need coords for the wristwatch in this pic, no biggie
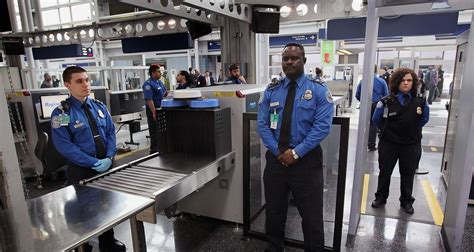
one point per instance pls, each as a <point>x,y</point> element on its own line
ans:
<point>295,155</point>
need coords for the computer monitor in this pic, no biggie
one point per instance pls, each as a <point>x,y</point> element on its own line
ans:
<point>50,102</point>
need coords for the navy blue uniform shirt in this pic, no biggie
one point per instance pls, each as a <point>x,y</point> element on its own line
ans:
<point>154,90</point>
<point>311,120</point>
<point>378,113</point>
<point>75,140</point>
<point>380,89</point>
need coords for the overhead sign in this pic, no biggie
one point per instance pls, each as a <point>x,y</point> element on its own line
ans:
<point>327,52</point>
<point>213,46</point>
<point>304,39</point>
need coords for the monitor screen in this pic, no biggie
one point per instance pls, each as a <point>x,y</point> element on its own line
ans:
<point>50,102</point>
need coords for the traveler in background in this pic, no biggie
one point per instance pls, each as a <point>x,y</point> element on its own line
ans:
<point>183,79</point>
<point>379,91</point>
<point>209,79</point>
<point>234,75</point>
<point>433,84</point>
<point>47,82</point>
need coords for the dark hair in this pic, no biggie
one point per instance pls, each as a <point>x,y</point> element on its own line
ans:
<point>153,68</point>
<point>233,67</point>
<point>69,71</point>
<point>319,71</point>
<point>186,75</point>
<point>45,74</point>
<point>190,69</point>
<point>397,77</point>
<point>297,45</point>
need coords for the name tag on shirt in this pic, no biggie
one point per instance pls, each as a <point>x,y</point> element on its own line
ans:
<point>273,104</point>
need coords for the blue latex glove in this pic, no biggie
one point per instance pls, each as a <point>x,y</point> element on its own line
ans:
<point>102,165</point>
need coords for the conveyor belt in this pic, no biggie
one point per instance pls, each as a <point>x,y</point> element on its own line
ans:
<point>166,179</point>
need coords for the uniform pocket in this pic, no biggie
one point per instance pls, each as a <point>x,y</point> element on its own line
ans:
<point>306,110</point>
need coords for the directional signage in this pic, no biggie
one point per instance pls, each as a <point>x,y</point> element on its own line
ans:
<point>213,46</point>
<point>304,39</point>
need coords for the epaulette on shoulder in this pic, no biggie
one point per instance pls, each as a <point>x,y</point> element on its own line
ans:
<point>316,80</point>
<point>275,83</point>
<point>97,101</point>
<point>387,98</point>
<point>65,104</point>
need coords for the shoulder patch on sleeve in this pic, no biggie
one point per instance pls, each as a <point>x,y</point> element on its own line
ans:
<point>147,87</point>
<point>55,122</point>
<point>380,104</point>
<point>97,101</point>
<point>275,83</point>
<point>329,97</point>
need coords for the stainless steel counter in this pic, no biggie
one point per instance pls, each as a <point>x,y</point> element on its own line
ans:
<point>166,179</point>
<point>64,219</point>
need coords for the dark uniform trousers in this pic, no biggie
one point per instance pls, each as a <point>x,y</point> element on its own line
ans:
<point>77,173</point>
<point>408,157</point>
<point>153,130</point>
<point>373,128</point>
<point>305,181</point>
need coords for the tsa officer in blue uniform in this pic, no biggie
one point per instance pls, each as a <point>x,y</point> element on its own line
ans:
<point>294,116</point>
<point>83,132</point>
<point>400,117</point>
<point>153,90</point>
<point>379,91</point>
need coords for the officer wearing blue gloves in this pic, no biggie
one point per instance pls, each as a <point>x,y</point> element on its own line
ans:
<point>294,115</point>
<point>83,132</point>
<point>400,117</point>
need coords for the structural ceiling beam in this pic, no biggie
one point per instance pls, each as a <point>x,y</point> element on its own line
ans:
<point>133,27</point>
<point>227,8</point>
<point>174,9</point>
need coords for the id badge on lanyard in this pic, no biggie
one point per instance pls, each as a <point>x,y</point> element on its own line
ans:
<point>274,120</point>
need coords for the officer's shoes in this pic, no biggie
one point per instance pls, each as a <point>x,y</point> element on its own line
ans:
<point>407,208</point>
<point>378,203</point>
<point>112,246</point>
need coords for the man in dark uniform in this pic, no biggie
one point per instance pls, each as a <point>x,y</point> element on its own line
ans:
<point>400,118</point>
<point>153,90</point>
<point>83,132</point>
<point>294,116</point>
<point>235,77</point>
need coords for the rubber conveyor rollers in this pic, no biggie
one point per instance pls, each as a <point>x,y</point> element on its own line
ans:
<point>166,179</point>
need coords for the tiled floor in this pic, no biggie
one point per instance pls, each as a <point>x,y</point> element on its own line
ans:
<point>375,233</point>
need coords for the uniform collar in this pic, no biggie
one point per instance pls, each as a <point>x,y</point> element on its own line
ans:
<point>400,94</point>
<point>151,79</point>
<point>78,104</point>
<point>299,81</point>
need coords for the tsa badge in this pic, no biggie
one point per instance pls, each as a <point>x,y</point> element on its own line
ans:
<point>418,110</point>
<point>308,94</point>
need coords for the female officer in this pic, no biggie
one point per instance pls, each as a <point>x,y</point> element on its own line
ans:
<point>400,117</point>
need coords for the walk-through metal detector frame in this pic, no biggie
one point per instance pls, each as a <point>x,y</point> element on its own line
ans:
<point>453,224</point>
<point>341,183</point>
